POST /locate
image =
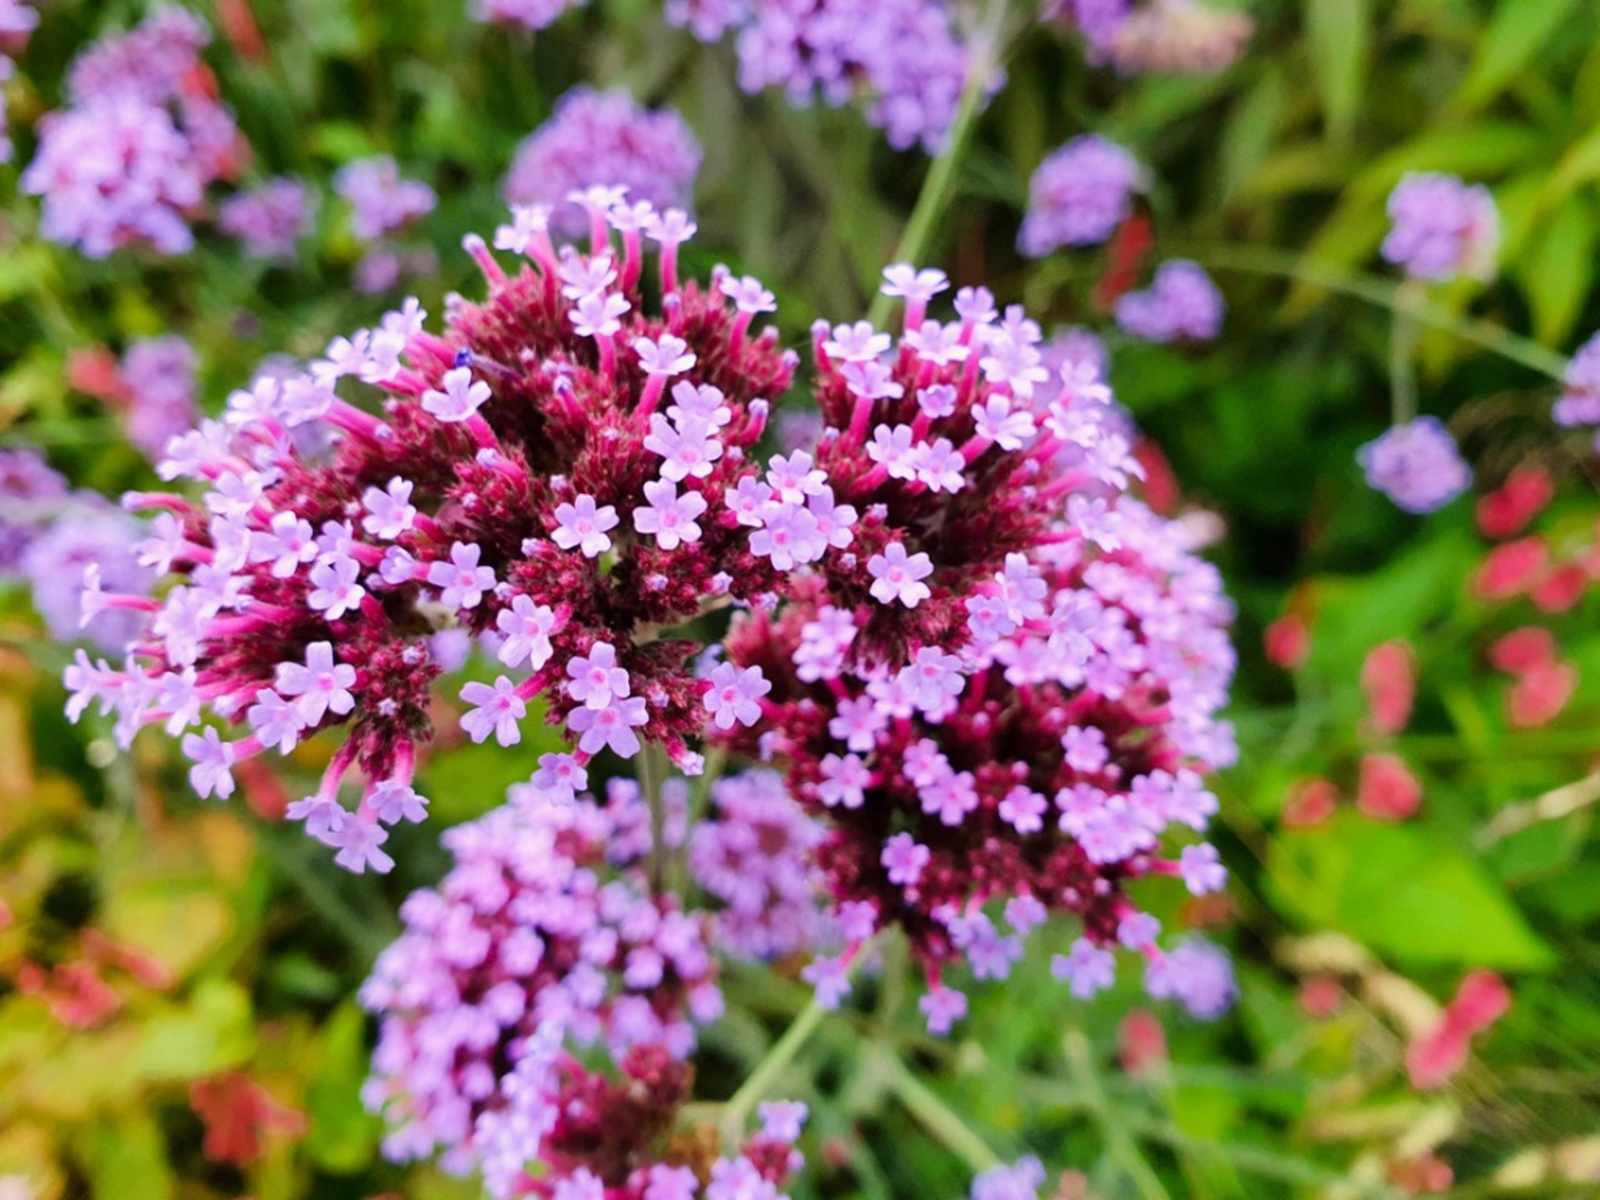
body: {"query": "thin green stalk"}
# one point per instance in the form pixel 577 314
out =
pixel 988 50
pixel 1080 1060
pixel 937 1117
pixel 1491 337
pixel 737 1111
pixel 653 769
pixel 1402 350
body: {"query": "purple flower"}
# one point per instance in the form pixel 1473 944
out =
pixel 735 695
pixel 1580 400
pixel 559 778
pixel 212 757
pixel 530 14
pixel 334 590
pixel 943 1007
pixel 380 201
pixel 1443 228
pixel 496 710
pixel 1078 196
pixel 461 398
pixel 1020 1181
pixel 669 516
pixel 1182 304
pixel 1416 465
pixel 461 581
pixel 1202 870
pixel 582 525
pixel 526 628
pixel 904 860
pixel 318 687
pixel 269 219
pixel 611 726
pixel 159 376
pixel 597 680
pixel 1196 974
pixel 598 137
pixel 899 577
pixel 1087 968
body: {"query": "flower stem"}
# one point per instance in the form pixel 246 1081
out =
pixel 653 769
pixel 988 51
pixel 1402 347
pixel 1491 337
pixel 1080 1060
pixel 936 1116
pixel 737 1111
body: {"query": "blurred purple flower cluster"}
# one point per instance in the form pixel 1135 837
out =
pixel 1417 465
pixel 599 138
pixel 129 160
pixel 1078 196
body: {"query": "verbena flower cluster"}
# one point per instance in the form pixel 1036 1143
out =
pixel 382 205
pixel 1000 688
pixel 51 536
pixel 562 470
pixel 1078 196
pixel 1167 36
pixel 1417 465
pixel 270 219
pixel 755 853
pixel 603 138
pixel 542 1002
pixel 1579 403
pixel 1180 305
pixel 158 392
pixel 128 161
pixel 905 56
pixel 1443 228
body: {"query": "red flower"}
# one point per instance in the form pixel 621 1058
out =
pixel 1387 790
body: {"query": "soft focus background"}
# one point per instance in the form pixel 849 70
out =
pixel 1410 827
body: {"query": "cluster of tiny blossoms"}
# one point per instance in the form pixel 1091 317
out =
pixel 561 473
pixel 1002 686
pixel 1078 196
pixel 598 137
pixel 1182 304
pixel 131 156
pixel 756 855
pixel 540 1006
pixel 268 219
pixel 1166 36
pixel 904 54
pixel 1579 403
pixel 1416 465
pixel 1443 228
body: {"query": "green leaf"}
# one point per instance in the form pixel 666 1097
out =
pixel 1519 29
pixel 125 1159
pixel 1339 33
pixel 1403 894
pixel 1557 269
pixel 342 1137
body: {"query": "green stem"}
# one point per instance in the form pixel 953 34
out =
pixel 1491 337
pixel 653 768
pixel 936 1116
pixel 937 188
pixel 737 1111
pixel 1080 1059
pixel 366 936
pixel 1402 348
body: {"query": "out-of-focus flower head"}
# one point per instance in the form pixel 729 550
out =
pixel 530 14
pixel 381 202
pixel 1078 195
pixel 1000 691
pixel 561 469
pixel 1579 403
pixel 158 378
pixel 1179 37
pixel 544 939
pixel 268 219
pixel 1416 465
pixel 1181 304
pixel 31 493
pixel 754 854
pixel 129 159
pixel 1443 228
pixel 603 138
pixel 904 55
